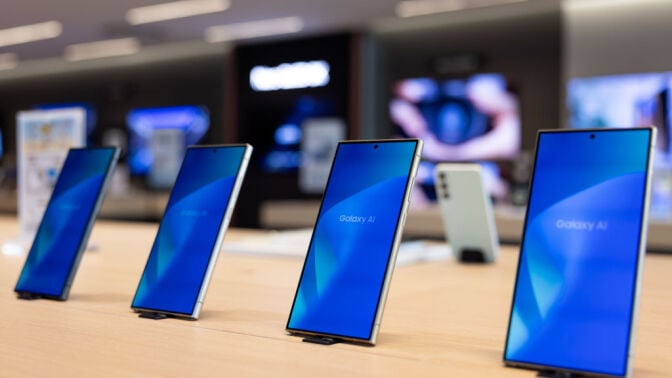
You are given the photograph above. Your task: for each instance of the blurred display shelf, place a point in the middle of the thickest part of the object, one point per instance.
(292, 214)
(145, 206)
(7, 201)
(134, 205)
(420, 223)
(427, 222)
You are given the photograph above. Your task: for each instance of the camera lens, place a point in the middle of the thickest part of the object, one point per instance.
(375, 146)
(592, 136)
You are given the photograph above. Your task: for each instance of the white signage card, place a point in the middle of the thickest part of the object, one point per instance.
(168, 148)
(320, 136)
(43, 140)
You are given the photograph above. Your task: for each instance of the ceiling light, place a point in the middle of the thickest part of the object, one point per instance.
(30, 33)
(173, 10)
(102, 49)
(602, 4)
(8, 61)
(411, 8)
(253, 29)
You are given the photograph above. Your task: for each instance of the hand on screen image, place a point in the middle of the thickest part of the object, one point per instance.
(487, 94)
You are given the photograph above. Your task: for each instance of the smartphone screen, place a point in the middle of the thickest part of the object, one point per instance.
(191, 230)
(353, 247)
(68, 218)
(575, 295)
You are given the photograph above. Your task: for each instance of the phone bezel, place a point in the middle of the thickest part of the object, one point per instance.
(84, 237)
(384, 288)
(215, 251)
(592, 134)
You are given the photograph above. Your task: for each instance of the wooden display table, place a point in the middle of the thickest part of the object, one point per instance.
(442, 319)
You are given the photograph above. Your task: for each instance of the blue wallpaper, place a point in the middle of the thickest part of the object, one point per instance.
(51, 260)
(344, 271)
(185, 242)
(575, 286)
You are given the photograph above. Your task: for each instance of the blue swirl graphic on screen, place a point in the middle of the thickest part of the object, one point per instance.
(345, 268)
(576, 280)
(184, 244)
(51, 258)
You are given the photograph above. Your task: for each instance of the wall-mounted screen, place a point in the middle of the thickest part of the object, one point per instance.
(158, 137)
(280, 135)
(622, 101)
(630, 100)
(474, 118)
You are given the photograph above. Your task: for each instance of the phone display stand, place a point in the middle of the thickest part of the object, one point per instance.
(558, 374)
(152, 315)
(472, 255)
(322, 340)
(28, 296)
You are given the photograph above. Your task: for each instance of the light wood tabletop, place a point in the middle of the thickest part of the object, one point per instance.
(442, 319)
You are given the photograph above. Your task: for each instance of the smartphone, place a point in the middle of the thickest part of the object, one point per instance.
(348, 267)
(579, 271)
(466, 209)
(185, 250)
(63, 233)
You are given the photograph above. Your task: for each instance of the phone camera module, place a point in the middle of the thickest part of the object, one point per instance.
(592, 136)
(375, 146)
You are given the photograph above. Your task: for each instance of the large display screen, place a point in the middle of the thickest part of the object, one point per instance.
(63, 232)
(474, 118)
(352, 248)
(466, 119)
(190, 232)
(153, 131)
(280, 142)
(575, 291)
(630, 100)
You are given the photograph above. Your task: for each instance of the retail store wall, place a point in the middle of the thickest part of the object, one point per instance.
(603, 37)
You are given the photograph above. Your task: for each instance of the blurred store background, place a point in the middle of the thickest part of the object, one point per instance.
(474, 78)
